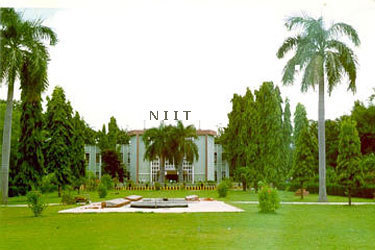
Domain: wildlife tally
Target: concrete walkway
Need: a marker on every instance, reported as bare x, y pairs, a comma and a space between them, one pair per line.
308, 203
252, 202
193, 207
25, 205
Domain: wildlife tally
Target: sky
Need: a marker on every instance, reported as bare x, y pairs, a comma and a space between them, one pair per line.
132, 57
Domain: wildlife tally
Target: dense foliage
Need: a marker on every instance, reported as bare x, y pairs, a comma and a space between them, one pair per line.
222, 189
24, 56
30, 160
268, 199
348, 160
36, 202
257, 141
112, 165
321, 53
305, 163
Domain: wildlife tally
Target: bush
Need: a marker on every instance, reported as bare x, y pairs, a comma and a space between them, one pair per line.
77, 182
107, 181
228, 182
48, 183
102, 191
222, 189
92, 182
268, 199
35, 202
67, 197
365, 191
157, 185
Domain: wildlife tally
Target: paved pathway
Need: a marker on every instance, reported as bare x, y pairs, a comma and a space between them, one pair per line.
308, 203
25, 205
250, 202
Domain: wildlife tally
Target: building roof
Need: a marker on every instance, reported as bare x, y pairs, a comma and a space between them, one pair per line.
199, 132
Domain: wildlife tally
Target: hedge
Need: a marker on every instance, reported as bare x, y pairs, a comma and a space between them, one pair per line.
366, 191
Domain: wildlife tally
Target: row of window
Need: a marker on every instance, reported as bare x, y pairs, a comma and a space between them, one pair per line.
122, 157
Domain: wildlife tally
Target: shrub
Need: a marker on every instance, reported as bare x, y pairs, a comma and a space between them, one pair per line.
222, 189
35, 202
228, 182
77, 182
157, 185
102, 191
91, 182
48, 183
107, 181
67, 197
269, 199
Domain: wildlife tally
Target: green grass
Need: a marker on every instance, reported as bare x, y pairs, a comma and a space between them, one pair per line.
233, 195
293, 227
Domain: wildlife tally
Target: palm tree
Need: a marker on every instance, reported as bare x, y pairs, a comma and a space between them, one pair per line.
183, 146
320, 53
21, 47
158, 146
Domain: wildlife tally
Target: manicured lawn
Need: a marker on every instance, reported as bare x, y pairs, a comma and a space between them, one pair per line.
233, 195
293, 227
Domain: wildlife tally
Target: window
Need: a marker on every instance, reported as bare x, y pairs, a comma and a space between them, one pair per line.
121, 157
97, 158
128, 158
87, 158
215, 158
155, 169
187, 170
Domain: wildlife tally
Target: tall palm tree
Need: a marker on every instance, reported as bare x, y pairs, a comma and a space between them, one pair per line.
320, 54
158, 146
183, 146
21, 47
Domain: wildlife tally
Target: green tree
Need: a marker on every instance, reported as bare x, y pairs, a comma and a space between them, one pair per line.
59, 138
103, 139
300, 120
332, 141
368, 168
158, 146
304, 159
21, 43
30, 160
349, 158
244, 175
30, 152
234, 151
287, 138
183, 146
78, 163
89, 134
269, 133
16, 132
247, 146
113, 132
365, 117
320, 53
112, 164
122, 137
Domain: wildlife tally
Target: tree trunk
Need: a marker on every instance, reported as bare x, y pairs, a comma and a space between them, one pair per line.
180, 173
162, 171
7, 132
59, 190
244, 184
322, 143
350, 196
301, 190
